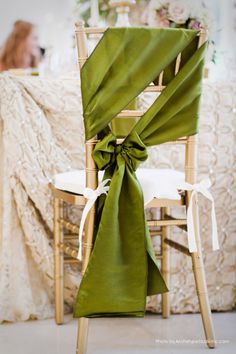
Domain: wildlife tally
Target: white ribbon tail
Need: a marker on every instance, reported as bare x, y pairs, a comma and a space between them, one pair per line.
86, 210
203, 188
91, 196
215, 240
192, 245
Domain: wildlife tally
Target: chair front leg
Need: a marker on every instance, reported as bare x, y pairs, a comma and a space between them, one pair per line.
83, 322
165, 264
82, 336
200, 281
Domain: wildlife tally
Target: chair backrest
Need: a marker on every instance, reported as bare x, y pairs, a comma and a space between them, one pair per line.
190, 142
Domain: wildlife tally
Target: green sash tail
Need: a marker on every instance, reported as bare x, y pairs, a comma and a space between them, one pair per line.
122, 269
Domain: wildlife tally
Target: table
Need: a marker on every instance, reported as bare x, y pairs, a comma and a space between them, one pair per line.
42, 134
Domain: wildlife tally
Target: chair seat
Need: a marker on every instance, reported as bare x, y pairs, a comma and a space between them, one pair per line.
156, 183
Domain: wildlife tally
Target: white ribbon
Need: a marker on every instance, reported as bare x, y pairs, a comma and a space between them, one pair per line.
203, 188
91, 196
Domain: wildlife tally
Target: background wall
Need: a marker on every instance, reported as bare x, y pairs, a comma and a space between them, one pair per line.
44, 13
55, 20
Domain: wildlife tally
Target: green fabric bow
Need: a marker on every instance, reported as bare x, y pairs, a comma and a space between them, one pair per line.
122, 269
132, 151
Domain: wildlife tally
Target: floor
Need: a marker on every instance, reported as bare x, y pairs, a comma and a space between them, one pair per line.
152, 334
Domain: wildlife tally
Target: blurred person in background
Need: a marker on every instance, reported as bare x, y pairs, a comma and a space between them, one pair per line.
21, 49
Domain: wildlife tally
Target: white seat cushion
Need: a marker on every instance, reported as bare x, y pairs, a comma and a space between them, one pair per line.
156, 183
160, 183
73, 181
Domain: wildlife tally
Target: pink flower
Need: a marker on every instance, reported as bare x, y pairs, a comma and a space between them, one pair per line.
178, 11
162, 21
195, 25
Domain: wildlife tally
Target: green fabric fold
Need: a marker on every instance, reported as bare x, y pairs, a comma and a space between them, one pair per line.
124, 62
122, 269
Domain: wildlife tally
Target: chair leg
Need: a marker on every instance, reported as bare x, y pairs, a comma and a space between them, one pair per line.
83, 322
82, 336
165, 265
58, 263
201, 286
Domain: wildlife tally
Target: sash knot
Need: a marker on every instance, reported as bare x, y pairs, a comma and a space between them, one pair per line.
108, 153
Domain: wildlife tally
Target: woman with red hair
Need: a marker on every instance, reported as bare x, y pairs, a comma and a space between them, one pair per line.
21, 49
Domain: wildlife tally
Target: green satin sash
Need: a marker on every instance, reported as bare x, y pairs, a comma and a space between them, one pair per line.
122, 269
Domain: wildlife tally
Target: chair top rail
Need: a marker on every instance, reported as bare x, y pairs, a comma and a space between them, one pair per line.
89, 30
96, 30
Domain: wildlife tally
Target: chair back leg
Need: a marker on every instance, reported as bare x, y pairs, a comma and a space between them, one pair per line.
58, 262
197, 260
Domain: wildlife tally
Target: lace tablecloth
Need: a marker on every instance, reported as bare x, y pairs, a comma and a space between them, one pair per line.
42, 134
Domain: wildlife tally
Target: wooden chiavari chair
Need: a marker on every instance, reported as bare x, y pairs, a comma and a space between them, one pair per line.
61, 245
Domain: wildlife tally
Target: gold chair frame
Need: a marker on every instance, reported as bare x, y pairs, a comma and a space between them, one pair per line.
61, 243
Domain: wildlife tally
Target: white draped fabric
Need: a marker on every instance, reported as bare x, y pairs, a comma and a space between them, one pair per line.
41, 135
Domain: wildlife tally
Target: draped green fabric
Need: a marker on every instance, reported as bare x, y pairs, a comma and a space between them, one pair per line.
122, 269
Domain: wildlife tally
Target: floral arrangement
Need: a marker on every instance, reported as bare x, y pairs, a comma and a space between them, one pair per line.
177, 13
191, 14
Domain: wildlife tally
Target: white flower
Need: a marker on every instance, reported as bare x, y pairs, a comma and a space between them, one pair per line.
179, 11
